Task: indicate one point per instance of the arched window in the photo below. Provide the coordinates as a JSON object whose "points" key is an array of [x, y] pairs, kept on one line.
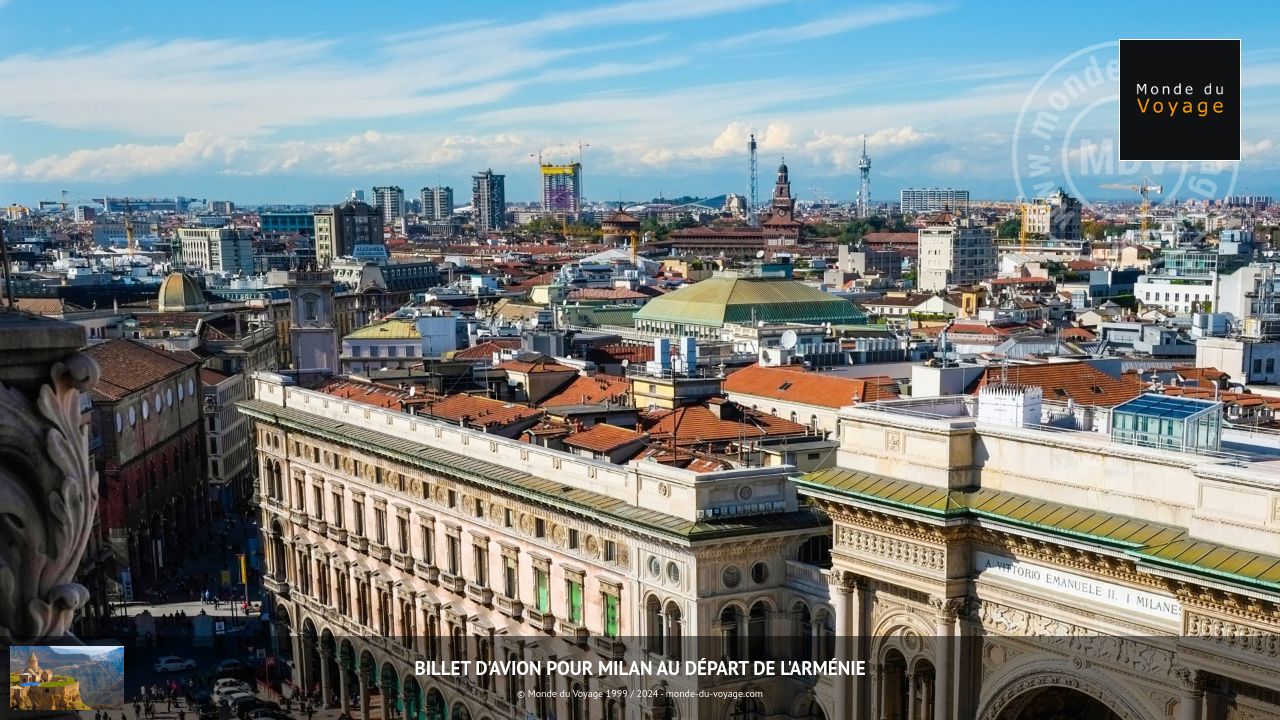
{"points": [[803, 631], [746, 709], [675, 631], [826, 631], [794, 417], [731, 633], [577, 709], [758, 632], [654, 622]]}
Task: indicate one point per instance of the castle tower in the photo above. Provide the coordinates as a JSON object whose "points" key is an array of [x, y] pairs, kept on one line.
{"points": [[312, 330]]}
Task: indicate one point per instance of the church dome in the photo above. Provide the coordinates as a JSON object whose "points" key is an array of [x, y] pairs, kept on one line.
{"points": [[180, 293]]}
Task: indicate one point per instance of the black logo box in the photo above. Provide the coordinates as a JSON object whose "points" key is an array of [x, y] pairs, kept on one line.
{"points": [[1180, 65]]}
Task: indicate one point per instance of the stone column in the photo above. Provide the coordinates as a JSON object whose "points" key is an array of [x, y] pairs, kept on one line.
{"points": [[944, 667], [860, 685], [1191, 704], [299, 656], [364, 693], [344, 692], [840, 590], [913, 697], [324, 672]]}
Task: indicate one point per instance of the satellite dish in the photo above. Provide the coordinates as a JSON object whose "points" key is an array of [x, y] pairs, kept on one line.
{"points": [[759, 253], [789, 339]]}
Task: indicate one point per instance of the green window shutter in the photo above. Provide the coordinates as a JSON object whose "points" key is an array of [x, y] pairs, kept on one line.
{"points": [[611, 615], [544, 591], [575, 603]]}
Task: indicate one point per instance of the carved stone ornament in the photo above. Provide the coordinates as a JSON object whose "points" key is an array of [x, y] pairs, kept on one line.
{"points": [[48, 484]]}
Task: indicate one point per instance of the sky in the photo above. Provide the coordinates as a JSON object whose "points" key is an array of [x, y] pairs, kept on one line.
{"points": [[299, 102]]}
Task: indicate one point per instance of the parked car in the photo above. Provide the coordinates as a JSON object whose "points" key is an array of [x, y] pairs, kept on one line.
{"points": [[228, 682], [243, 706], [173, 663], [230, 695]]}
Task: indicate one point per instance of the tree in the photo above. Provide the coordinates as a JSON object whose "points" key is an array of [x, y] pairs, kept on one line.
{"points": [[1009, 228]]}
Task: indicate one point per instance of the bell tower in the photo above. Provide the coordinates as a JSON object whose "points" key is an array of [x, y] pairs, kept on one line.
{"points": [[313, 334]]}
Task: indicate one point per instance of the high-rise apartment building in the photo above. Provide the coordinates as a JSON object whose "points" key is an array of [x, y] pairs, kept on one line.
{"points": [[922, 200], [1055, 218], [340, 229], [562, 188], [437, 203], [489, 201], [389, 200], [222, 249], [955, 250]]}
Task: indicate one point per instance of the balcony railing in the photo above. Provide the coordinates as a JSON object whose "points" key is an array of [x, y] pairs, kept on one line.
{"points": [[574, 632], [510, 607], [453, 583], [806, 578], [480, 594], [609, 648], [380, 552], [545, 622], [430, 573]]}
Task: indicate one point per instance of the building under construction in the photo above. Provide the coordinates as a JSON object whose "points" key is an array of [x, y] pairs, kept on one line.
{"points": [[562, 189]]}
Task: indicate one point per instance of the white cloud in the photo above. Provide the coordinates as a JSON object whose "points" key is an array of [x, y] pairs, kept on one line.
{"points": [[858, 19]]}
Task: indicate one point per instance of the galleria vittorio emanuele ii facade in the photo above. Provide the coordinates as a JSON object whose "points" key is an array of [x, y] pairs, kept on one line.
{"points": [[960, 561]]}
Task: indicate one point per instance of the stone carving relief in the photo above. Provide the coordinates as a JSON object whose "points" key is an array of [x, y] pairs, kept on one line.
{"points": [[1232, 635], [48, 499], [1075, 641]]}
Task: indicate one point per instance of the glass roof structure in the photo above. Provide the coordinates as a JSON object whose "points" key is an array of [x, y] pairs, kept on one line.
{"points": [[1176, 423]]}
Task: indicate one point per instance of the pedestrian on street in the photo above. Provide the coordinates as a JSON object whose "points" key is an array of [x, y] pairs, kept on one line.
{"points": [[311, 710]]}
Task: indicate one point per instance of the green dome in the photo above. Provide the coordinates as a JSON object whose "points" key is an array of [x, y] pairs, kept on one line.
{"points": [[728, 298], [180, 293]]}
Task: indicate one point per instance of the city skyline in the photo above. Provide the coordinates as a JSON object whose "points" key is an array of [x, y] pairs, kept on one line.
{"points": [[279, 107]]}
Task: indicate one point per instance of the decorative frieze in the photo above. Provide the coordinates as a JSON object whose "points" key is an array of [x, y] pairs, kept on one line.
{"points": [[891, 548]]}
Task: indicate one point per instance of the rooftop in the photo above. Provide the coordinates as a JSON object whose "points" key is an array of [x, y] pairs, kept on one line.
{"points": [[390, 329], [808, 388], [730, 298], [128, 366]]}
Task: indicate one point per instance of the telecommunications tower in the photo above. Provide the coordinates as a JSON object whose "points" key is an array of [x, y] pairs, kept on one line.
{"points": [[864, 188], [753, 202]]}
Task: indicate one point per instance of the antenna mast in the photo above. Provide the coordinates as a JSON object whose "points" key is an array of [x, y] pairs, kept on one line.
{"points": [[754, 201], [864, 188]]}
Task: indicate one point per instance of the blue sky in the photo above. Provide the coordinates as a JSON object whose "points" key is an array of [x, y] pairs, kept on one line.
{"points": [[301, 101]]}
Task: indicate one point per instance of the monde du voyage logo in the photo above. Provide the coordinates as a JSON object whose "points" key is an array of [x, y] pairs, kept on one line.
{"points": [[1180, 100]]}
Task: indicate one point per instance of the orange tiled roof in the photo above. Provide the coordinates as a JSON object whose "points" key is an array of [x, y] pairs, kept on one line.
{"points": [[808, 388], [211, 377], [476, 411], [365, 392], [1077, 381], [128, 366], [486, 349], [604, 438], [583, 390], [697, 425], [1076, 333]]}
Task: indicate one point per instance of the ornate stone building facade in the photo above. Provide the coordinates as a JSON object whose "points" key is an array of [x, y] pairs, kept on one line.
{"points": [[1005, 572], [393, 538]]}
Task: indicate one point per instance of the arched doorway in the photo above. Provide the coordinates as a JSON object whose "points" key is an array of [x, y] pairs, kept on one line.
{"points": [[283, 639], [369, 699], [412, 696], [922, 679], [460, 712], [758, 631], [348, 679], [309, 676], [894, 688], [434, 707], [330, 670], [1054, 703], [389, 687]]}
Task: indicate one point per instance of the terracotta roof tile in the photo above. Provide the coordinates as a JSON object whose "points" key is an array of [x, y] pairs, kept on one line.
{"points": [[486, 349], [808, 388], [698, 425], [543, 364], [365, 392], [595, 390], [1078, 381], [604, 438], [129, 366], [478, 412]]}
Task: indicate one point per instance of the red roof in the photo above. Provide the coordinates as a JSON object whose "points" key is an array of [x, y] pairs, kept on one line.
{"points": [[808, 388], [486, 349], [595, 390], [697, 425], [211, 377], [476, 411], [1060, 382], [1022, 281], [1075, 333], [128, 366], [633, 354], [604, 438], [368, 393]]}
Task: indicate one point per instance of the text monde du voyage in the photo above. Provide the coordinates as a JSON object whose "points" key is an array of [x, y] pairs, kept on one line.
{"points": [[614, 668], [1179, 99]]}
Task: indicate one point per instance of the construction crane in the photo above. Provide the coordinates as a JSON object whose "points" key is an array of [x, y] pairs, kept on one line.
{"points": [[1144, 211]]}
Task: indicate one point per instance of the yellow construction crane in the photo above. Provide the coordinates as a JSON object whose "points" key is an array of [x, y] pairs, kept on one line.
{"points": [[1144, 211]]}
